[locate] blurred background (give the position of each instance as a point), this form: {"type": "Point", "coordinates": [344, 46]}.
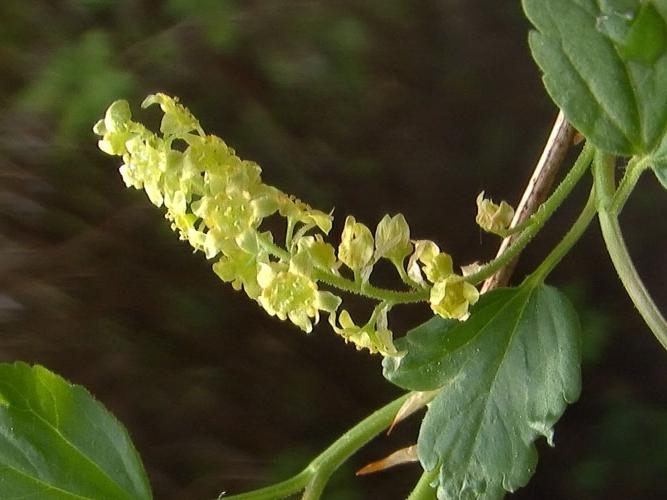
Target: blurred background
{"type": "Point", "coordinates": [368, 106]}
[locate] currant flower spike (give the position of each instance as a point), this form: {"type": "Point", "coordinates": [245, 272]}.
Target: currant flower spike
{"type": "Point", "coordinates": [217, 202]}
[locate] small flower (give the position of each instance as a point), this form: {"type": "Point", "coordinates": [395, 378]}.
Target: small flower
{"type": "Point", "coordinates": [436, 265]}
{"type": "Point", "coordinates": [116, 128]}
{"type": "Point", "coordinates": [374, 335]}
{"type": "Point", "coordinates": [287, 294]}
{"type": "Point", "coordinates": [225, 214]}
{"type": "Point", "coordinates": [313, 253]}
{"type": "Point", "coordinates": [392, 239]}
{"type": "Point", "coordinates": [493, 218]}
{"type": "Point", "coordinates": [356, 248]}
{"type": "Point", "coordinates": [239, 266]}
{"type": "Point", "coordinates": [451, 297]}
{"type": "Point", "coordinates": [295, 209]}
{"type": "Point", "coordinates": [439, 267]}
{"type": "Point", "coordinates": [177, 120]}
{"type": "Point", "coordinates": [145, 163]}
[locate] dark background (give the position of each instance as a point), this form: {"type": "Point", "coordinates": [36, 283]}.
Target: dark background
{"type": "Point", "coordinates": [368, 106]}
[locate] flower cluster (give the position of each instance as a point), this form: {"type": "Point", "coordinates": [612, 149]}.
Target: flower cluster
{"type": "Point", "coordinates": [217, 202]}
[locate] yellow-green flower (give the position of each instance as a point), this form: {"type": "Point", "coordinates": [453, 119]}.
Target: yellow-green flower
{"type": "Point", "coordinates": [116, 128]}
{"type": "Point", "coordinates": [293, 296]}
{"type": "Point", "coordinates": [177, 119]}
{"type": "Point", "coordinates": [298, 211]}
{"type": "Point", "coordinates": [356, 247]}
{"type": "Point", "coordinates": [392, 239]}
{"type": "Point", "coordinates": [452, 297]}
{"type": "Point", "coordinates": [239, 264]}
{"type": "Point", "coordinates": [374, 335]}
{"type": "Point", "coordinates": [312, 252]}
{"type": "Point", "coordinates": [493, 218]}
{"type": "Point", "coordinates": [439, 267]}
{"type": "Point", "coordinates": [427, 257]}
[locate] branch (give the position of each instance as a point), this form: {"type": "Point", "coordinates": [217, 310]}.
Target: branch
{"type": "Point", "coordinates": [560, 140]}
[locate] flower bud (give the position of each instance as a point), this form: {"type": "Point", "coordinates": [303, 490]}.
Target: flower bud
{"type": "Point", "coordinates": [493, 218]}
{"type": "Point", "coordinates": [117, 116]}
{"type": "Point", "coordinates": [356, 246]}
{"type": "Point", "coordinates": [392, 239]}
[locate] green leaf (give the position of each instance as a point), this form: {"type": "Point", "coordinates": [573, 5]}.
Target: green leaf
{"type": "Point", "coordinates": [57, 442]}
{"type": "Point", "coordinates": [605, 66]}
{"type": "Point", "coordinates": [660, 170]}
{"type": "Point", "coordinates": [506, 375]}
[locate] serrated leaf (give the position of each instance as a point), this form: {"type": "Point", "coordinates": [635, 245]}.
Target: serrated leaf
{"type": "Point", "coordinates": [506, 374]}
{"type": "Point", "coordinates": [605, 66]}
{"type": "Point", "coordinates": [57, 442]}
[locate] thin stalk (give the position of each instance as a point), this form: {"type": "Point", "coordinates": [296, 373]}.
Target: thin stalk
{"type": "Point", "coordinates": [571, 237]}
{"type": "Point", "coordinates": [537, 221]}
{"type": "Point", "coordinates": [618, 251]}
{"type": "Point", "coordinates": [356, 286]}
{"type": "Point", "coordinates": [273, 249]}
{"type": "Point", "coordinates": [539, 218]}
{"type": "Point", "coordinates": [513, 230]}
{"type": "Point", "coordinates": [634, 170]}
{"type": "Point", "coordinates": [289, 231]}
{"type": "Point", "coordinates": [284, 489]}
{"type": "Point", "coordinates": [423, 489]}
{"type": "Point", "coordinates": [326, 463]}
{"type": "Point", "coordinates": [315, 476]}
{"type": "Point", "coordinates": [368, 290]}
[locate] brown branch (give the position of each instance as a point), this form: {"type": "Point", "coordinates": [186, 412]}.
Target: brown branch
{"type": "Point", "coordinates": [537, 190]}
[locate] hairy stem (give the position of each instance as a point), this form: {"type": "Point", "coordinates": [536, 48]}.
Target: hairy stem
{"type": "Point", "coordinates": [504, 261]}
{"type": "Point", "coordinates": [571, 237]}
{"type": "Point", "coordinates": [539, 219]}
{"type": "Point", "coordinates": [368, 290]}
{"type": "Point", "coordinates": [351, 286]}
{"type": "Point", "coordinates": [634, 170]}
{"type": "Point", "coordinates": [618, 251]}
{"type": "Point", "coordinates": [284, 489]}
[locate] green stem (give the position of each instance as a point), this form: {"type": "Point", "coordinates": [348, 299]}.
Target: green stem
{"type": "Point", "coordinates": [571, 237]}
{"type": "Point", "coordinates": [327, 463]}
{"type": "Point", "coordinates": [634, 170]}
{"type": "Point", "coordinates": [539, 218]}
{"type": "Point", "coordinates": [313, 479]}
{"type": "Point", "coordinates": [505, 233]}
{"type": "Point", "coordinates": [289, 231]}
{"type": "Point", "coordinates": [536, 223]}
{"type": "Point", "coordinates": [273, 249]}
{"type": "Point", "coordinates": [284, 489]}
{"type": "Point", "coordinates": [423, 489]}
{"type": "Point", "coordinates": [356, 287]}
{"type": "Point", "coordinates": [618, 251]}
{"type": "Point", "coordinates": [368, 290]}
